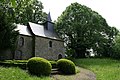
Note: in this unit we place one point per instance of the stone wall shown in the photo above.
(24, 47)
(6, 54)
(43, 49)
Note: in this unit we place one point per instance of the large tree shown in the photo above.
(8, 35)
(83, 29)
(116, 48)
(29, 11)
(25, 11)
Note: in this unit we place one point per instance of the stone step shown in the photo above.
(55, 71)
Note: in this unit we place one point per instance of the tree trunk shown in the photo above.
(80, 54)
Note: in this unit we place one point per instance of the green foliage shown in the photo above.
(53, 63)
(14, 63)
(39, 66)
(70, 52)
(116, 48)
(11, 1)
(29, 11)
(8, 35)
(105, 69)
(83, 29)
(24, 11)
(66, 66)
(18, 74)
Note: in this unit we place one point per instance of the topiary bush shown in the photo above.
(39, 66)
(53, 63)
(66, 66)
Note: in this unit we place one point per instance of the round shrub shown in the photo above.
(66, 66)
(39, 66)
(53, 63)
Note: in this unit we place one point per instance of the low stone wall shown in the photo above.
(6, 54)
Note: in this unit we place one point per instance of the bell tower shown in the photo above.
(49, 23)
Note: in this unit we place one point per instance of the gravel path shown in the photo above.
(84, 74)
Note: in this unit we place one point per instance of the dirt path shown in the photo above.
(84, 74)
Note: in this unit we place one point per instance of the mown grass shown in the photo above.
(15, 73)
(105, 69)
(18, 74)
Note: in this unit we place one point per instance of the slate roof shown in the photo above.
(45, 30)
(49, 17)
(37, 30)
(23, 30)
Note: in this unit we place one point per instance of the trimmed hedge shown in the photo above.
(21, 63)
(39, 66)
(53, 63)
(66, 66)
(14, 63)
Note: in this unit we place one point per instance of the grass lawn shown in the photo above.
(18, 74)
(13, 73)
(105, 69)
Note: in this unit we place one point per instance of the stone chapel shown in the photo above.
(38, 40)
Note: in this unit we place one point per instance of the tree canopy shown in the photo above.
(8, 34)
(83, 29)
(24, 11)
(29, 11)
(116, 47)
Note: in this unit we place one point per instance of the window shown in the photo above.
(21, 41)
(59, 56)
(50, 43)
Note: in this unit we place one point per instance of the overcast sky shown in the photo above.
(109, 9)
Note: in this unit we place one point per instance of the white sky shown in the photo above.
(109, 9)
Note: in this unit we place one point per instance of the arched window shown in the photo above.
(59, 56)
(50, 43)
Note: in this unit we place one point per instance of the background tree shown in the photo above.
(26, 11)
(29, 11)
(112, 36)
(83, 29)
(116, 47)
(11, 1)
(8, 34)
